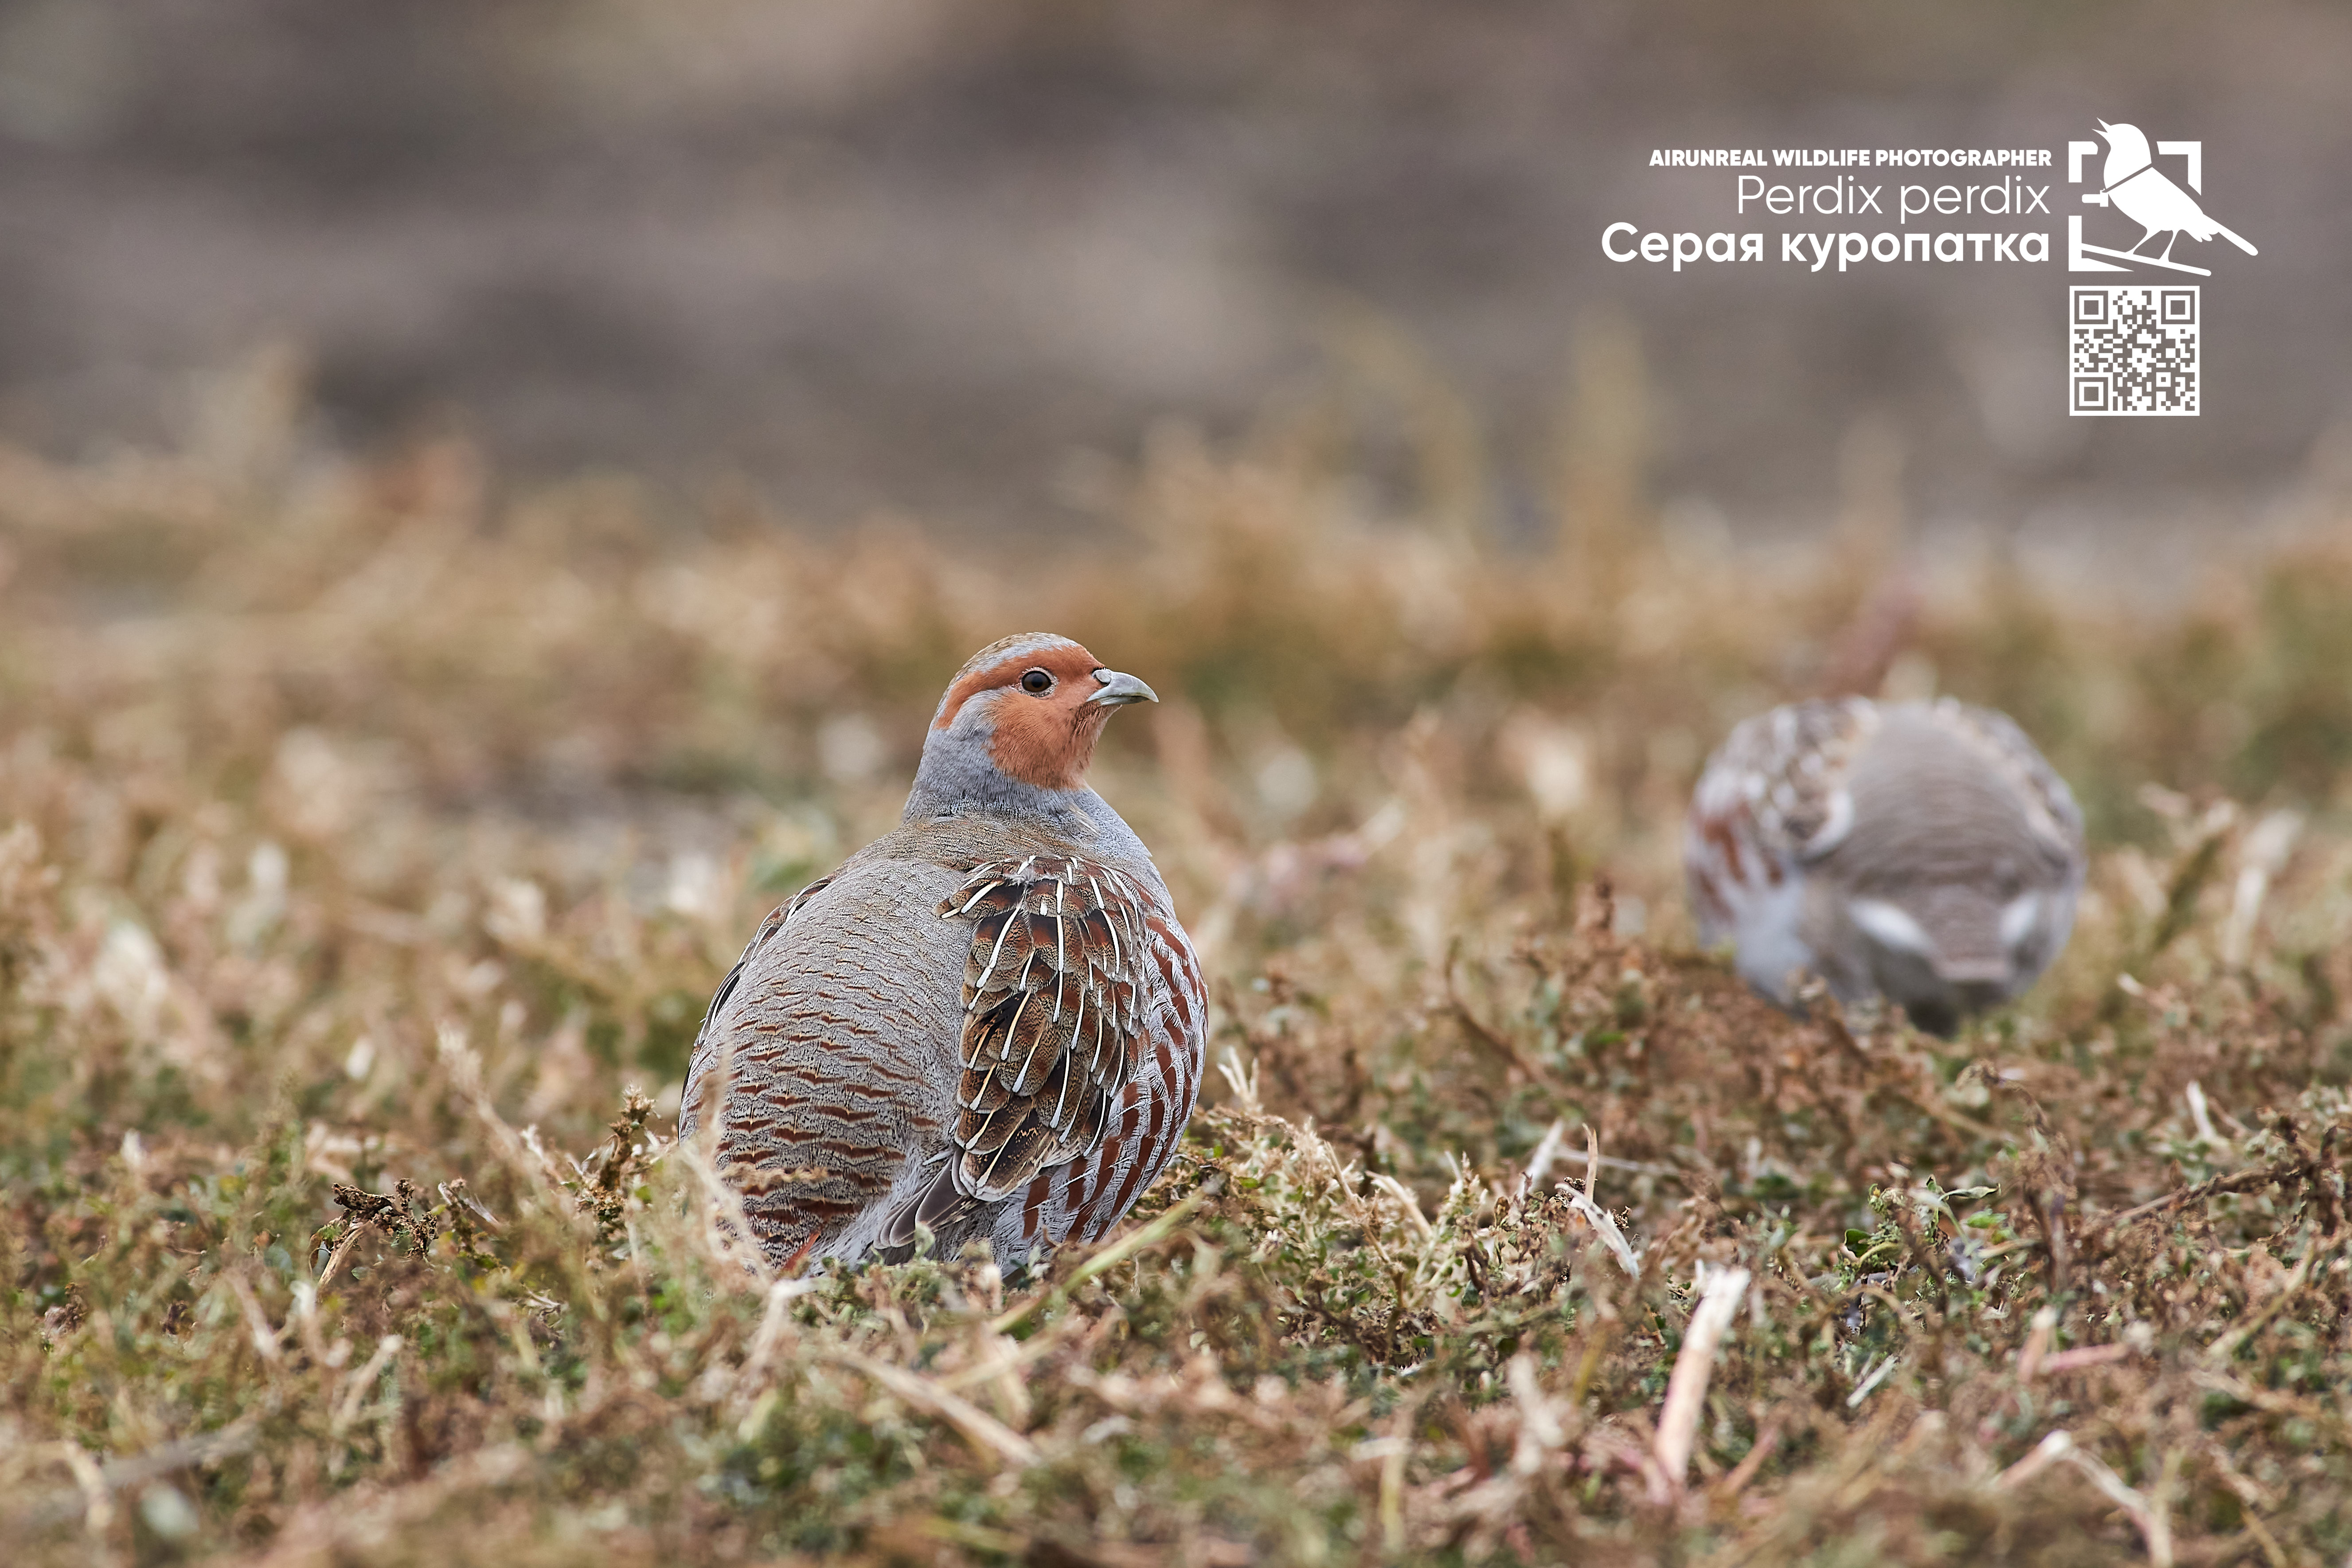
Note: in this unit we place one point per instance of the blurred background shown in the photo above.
(491, 490)
(948, 259)
(490, 493)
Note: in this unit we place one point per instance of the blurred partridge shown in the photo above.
(987, 1023)
(1923, 852)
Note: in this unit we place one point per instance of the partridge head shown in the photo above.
(1923, 852)
(1017, 730)
(986, 1024)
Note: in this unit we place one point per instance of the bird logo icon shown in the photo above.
(2132, 185)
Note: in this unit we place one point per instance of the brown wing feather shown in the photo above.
(1053, 1014)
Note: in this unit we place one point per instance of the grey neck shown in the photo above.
(952, 782)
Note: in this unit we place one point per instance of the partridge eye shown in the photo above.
(1036, 682)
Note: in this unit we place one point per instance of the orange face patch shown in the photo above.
(1047, 738)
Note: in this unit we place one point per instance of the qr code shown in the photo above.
(2132, 350)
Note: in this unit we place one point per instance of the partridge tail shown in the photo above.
(937, 1207)
(2238, 241)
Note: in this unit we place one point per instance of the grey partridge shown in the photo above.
(1923, 852)
(987, 1023)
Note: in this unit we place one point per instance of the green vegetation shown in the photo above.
(366, 843)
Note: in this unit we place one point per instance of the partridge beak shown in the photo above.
(1120, 690)
(2104, 128)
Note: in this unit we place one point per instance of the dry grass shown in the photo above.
(361, 838)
